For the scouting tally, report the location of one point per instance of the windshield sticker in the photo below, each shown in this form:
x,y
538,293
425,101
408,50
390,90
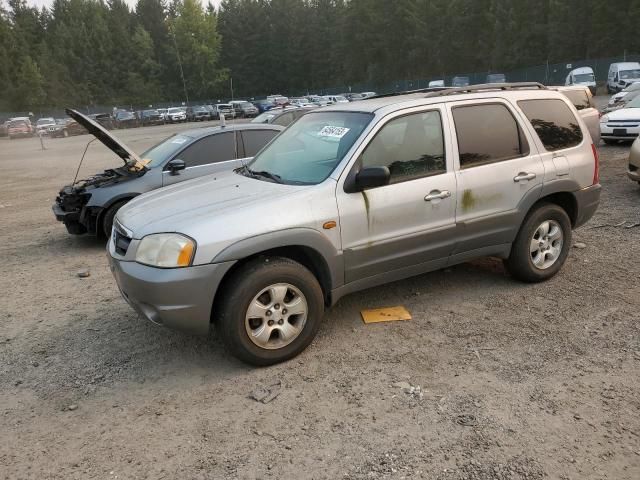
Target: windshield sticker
x,y
333,132
179,141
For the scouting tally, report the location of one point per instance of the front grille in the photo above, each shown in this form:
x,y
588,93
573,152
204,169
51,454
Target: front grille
x,y
121,241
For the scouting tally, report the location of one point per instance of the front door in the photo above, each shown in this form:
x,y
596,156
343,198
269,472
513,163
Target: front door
x,y
408,223
495,169
212,154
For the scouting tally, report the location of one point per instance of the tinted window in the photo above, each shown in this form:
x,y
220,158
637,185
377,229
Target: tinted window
x,y
487,134
254,140
285,119
411,147
211,149
554,123
579,98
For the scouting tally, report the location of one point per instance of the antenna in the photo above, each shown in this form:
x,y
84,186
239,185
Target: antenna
x,y
82,159
235,130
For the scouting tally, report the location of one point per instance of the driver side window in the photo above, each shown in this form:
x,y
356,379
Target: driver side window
x,y
411,147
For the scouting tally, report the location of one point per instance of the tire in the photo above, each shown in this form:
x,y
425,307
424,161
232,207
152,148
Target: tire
x,y
250,284
533,266
608,141
109,215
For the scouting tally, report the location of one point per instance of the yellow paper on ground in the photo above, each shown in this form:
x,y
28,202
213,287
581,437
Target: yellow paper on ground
x,y
390,314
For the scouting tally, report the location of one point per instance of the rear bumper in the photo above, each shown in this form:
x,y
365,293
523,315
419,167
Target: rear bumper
x,y
179,298
587,201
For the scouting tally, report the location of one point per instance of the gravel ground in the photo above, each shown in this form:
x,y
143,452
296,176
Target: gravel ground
x,y
516,381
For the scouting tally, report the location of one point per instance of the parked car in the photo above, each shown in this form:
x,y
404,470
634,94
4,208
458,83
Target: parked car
x,y
369,94
263,105
66,127
436,83
319,101
331,99
582,99
617,99
354,97
278,99
176,115
582,76
151,117
621,75
163,113
621,124
89,205
126,119
19,128
458,82
226,109
634,161
104,119
43,124
354,196
496,78
197,114
244,109
282,116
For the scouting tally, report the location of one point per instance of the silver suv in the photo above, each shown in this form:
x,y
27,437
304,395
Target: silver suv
x,y
357,195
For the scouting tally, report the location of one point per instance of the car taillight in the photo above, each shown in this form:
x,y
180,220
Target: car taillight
x,y
596,165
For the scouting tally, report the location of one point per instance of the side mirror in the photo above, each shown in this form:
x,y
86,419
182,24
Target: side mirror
x,y
175,165
372,177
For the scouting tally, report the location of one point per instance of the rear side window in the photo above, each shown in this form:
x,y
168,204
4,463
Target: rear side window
x,y
488,133
580,99
254,140
554,122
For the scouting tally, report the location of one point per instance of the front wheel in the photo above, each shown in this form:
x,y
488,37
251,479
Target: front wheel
x,y
270,310
542,244
110,214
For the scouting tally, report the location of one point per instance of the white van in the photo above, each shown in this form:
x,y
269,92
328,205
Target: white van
x,y
621,75
582,76
436,83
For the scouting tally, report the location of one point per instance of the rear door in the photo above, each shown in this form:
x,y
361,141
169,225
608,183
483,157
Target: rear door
x,y
212,154
495,169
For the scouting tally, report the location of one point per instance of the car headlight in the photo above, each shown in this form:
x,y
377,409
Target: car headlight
x,y
604,119
166,250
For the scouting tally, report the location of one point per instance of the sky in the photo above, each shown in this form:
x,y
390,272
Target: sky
x,y
132,3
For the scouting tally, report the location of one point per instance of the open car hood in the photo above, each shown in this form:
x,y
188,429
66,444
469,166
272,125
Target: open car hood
x,y
130,158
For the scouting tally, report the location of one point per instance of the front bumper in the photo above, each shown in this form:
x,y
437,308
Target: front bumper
x,y
587,201
622,131
179,298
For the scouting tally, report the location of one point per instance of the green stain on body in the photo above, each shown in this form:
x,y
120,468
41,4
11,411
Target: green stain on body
x,y
468,200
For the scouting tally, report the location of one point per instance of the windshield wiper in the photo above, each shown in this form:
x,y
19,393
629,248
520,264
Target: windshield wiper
x,y
245,170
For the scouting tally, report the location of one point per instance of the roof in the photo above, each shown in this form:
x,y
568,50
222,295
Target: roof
x,y
230,127
582,70
517,91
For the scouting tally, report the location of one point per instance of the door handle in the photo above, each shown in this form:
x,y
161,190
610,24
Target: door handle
x,y
437,195
522,176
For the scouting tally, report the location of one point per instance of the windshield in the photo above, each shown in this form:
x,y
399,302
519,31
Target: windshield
x,y
44,121
584,78
635,103
165,150
174,110
308,151
626,74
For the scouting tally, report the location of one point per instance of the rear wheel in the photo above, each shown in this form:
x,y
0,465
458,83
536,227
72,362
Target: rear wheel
x,y
110,214
542,244
270,310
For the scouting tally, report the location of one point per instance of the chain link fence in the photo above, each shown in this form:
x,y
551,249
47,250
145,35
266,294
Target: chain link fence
x,y
547,74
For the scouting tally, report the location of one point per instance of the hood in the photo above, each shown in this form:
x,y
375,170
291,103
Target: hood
x,y
187,206
624,114
130,158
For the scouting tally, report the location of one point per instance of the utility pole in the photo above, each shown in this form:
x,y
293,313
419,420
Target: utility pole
x,y
175,44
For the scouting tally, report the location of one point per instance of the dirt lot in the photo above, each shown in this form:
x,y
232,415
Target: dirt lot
x,y
517,381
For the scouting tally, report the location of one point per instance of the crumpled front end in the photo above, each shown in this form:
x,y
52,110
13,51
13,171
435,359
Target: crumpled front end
x,y
69,208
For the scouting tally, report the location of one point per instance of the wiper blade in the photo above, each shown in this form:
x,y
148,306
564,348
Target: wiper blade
x,y
269,175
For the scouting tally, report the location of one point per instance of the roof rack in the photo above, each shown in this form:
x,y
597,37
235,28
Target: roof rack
x,y
409,92
488,87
